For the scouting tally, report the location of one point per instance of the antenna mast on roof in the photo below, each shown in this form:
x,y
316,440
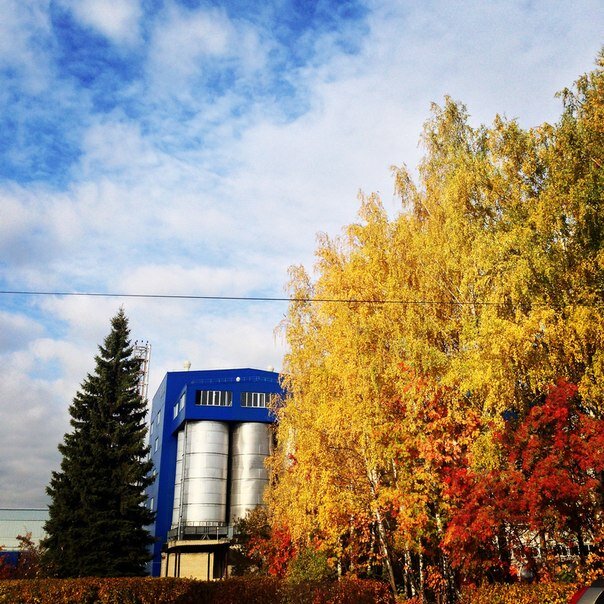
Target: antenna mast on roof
x,y
142,352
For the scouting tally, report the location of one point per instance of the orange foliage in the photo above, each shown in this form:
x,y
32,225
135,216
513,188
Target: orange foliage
x,y
276,550
260,590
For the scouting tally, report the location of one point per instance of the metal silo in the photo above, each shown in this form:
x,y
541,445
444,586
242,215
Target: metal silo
x,y
249,477
202,460
176,510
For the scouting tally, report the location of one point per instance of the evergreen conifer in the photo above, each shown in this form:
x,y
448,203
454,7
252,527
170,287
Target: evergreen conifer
x,y
97,514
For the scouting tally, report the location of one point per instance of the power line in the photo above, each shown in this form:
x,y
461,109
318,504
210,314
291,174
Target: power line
x,y
267,298
246,298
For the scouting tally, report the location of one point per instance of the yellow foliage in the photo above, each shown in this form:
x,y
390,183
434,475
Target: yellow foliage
x,y
485,289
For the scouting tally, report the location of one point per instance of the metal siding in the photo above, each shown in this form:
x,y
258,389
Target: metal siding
x,y
202,456
251,446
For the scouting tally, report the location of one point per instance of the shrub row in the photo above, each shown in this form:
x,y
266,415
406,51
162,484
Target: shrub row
x,y
347,590
520,593
254,590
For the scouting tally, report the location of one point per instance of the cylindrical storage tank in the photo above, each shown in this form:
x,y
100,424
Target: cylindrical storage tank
x,y
178,477
200,488
249,477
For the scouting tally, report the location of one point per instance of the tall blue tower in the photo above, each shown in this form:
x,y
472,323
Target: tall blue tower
x,y
209,434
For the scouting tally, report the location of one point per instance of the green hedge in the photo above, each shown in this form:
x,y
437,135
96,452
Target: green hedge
x,y
252,590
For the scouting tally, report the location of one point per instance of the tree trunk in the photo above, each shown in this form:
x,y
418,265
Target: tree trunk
x,y
372,479
385,550
421,575
581,544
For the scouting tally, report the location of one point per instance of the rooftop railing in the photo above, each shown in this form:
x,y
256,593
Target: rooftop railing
x,y
201,531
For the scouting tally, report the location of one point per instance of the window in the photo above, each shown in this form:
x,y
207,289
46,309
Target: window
x,y
151,503
157,419
156,445
151,429
180,404
255,399
214,398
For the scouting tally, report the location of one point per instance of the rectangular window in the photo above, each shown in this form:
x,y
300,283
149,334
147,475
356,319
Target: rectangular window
x,y
156,446
151,429
214,398
151,503
255,399
181,402
175,412
157,419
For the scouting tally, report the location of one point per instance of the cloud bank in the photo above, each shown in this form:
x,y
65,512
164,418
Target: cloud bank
x,y
186,147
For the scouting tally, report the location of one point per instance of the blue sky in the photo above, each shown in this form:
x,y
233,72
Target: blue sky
x,y
197,147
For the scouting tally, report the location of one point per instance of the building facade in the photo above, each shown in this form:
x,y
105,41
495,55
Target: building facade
x,y
209,434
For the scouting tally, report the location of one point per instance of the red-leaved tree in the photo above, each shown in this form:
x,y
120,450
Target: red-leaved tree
x,y
545,495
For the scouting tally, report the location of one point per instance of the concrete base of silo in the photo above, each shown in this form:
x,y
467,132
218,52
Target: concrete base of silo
x,y
206,561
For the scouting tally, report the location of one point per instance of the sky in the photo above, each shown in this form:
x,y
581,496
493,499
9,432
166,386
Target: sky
x,y
197,147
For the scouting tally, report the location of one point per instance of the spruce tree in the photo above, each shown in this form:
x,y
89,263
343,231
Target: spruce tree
x,y
97,514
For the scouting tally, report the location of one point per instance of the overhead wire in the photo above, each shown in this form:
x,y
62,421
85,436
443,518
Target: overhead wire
x,y
251,298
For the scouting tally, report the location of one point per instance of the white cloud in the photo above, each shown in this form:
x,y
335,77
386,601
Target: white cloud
x,y
33,416
37,227
118,21
16,220
17,330
246,340
507,57
211,339
181,196
182,40
24,28
198,280
186,44
115,144
84,322
71,359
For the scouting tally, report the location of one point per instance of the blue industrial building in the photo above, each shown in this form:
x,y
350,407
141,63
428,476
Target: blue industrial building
x,y
209,434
